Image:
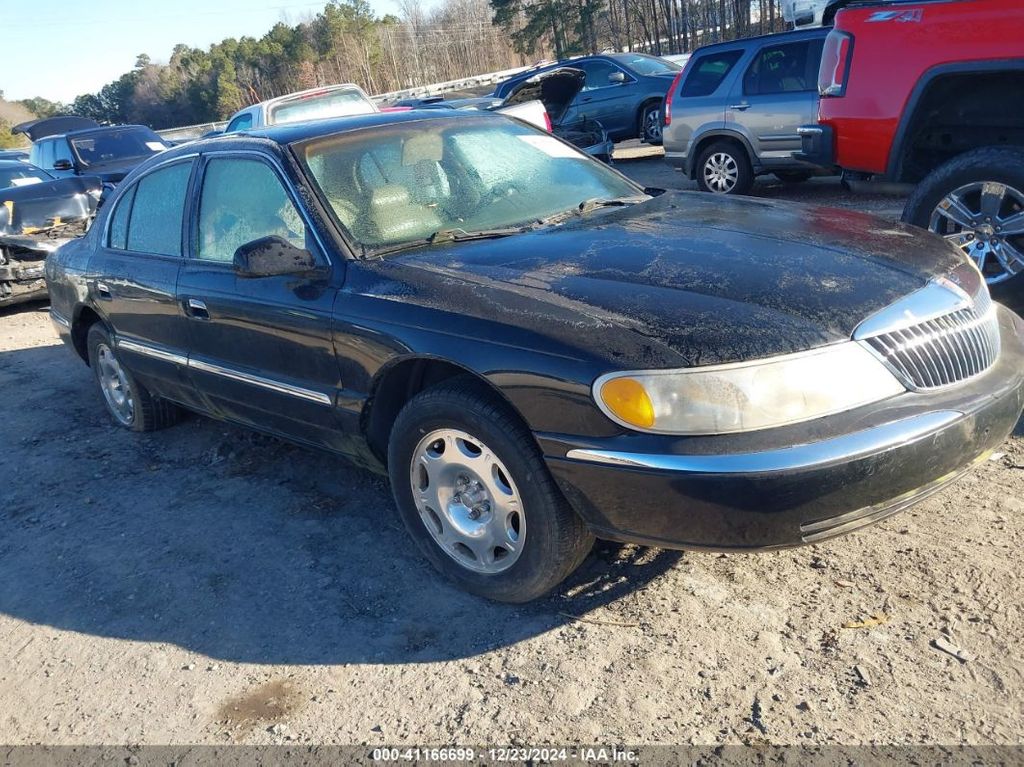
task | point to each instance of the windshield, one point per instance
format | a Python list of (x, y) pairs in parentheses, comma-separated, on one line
[(316, 106), (648, 65), (22, 176), (117, 144), (405, 182)]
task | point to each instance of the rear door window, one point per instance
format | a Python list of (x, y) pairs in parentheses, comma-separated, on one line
[(789, 68), (708, 72), (154, 225)]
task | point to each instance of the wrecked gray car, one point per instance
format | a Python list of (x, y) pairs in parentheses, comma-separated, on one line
[(38, 214)]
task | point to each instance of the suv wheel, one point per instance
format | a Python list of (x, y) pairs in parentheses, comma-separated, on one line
[(976, 201), (650, 124), (723, 168), (129, 403), (475, 495)]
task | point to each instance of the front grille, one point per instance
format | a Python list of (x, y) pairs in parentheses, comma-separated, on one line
[(944, 350)]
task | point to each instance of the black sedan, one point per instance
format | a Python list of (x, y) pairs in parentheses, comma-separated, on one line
[(533, 348)]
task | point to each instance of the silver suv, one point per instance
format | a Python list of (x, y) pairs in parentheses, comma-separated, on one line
[(733, 113)]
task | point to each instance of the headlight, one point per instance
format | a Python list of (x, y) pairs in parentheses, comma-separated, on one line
[(746, 396)]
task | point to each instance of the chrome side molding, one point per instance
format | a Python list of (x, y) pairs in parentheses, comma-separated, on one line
[(835, 450), (236, 375)]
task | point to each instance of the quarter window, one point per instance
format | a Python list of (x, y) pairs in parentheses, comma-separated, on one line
[(242, 122), (118, 238), (157, 208), (790, 68), (244, 200), (708, 72)]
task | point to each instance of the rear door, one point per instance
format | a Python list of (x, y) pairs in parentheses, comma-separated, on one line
[(700, 103), (776, 95), (133, 278), (260, 348)]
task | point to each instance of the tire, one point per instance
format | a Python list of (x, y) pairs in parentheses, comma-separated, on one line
[(430, 457), (968, 200), (724, 168), (793, 176), (141, 411), (650, 124)]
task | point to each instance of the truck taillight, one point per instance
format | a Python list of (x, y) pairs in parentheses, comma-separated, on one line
[(835, 63), (668, 97)]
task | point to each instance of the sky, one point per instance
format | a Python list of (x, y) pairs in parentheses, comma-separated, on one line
[(58, 49)]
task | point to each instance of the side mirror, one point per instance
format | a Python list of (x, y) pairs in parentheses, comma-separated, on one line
[(617, 78), (271, 256), (63, 165)]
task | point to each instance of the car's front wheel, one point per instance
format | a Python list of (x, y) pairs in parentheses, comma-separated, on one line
[(650, 124), (976, 201), (476, 496), (723, 168), (129, 403)]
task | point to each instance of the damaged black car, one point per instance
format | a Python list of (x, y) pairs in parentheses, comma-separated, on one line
[(38, 213), (535, 350)]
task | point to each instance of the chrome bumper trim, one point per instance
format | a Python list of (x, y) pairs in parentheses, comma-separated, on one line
[(814, 454), (60, 319)]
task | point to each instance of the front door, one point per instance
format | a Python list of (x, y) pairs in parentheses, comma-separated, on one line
[(603, 98), (776, 95), (133, 279), (261, 350)]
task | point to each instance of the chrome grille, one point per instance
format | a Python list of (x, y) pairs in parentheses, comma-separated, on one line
[(943, 350)]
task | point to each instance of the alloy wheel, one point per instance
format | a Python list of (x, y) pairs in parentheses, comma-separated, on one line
[(721, 172), (114, 385), (985, 219), (467, 501), (652, 125)]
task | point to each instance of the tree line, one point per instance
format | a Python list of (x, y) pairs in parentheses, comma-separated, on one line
[(347, 42)]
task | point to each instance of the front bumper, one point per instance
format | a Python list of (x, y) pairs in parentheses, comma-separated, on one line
[(817, 146), (874, 463)]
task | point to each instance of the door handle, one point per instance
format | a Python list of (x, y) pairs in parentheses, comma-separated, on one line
[(104, 290), (740, 107), (196, 309)]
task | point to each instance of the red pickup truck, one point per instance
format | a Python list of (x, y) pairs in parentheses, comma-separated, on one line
[(931, 93)]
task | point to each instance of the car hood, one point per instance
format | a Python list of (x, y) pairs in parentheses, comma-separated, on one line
[(681, 280), (37, 206), (555, 89)]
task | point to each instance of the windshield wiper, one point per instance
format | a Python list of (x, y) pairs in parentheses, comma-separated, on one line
[(589, 205), (442, 236)]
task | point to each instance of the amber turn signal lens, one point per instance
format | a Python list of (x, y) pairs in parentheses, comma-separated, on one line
[(627, 399)]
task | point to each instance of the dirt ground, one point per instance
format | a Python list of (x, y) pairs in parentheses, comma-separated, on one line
[(205, 585)]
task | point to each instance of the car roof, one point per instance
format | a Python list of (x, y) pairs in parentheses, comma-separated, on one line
[(795, 34), (292, 133)]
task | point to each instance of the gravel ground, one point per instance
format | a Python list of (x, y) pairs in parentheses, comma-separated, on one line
[(206, 585)]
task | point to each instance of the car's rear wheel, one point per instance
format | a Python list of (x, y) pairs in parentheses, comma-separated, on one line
[(723, 168), (976, 201), (650, 124), (129, 403), (476, 496)]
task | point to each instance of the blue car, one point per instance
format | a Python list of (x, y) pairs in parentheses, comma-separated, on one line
[(622, 91)]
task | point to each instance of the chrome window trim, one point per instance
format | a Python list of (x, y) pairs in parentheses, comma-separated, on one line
[(235, 375), (807, 456), (265, 383)]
